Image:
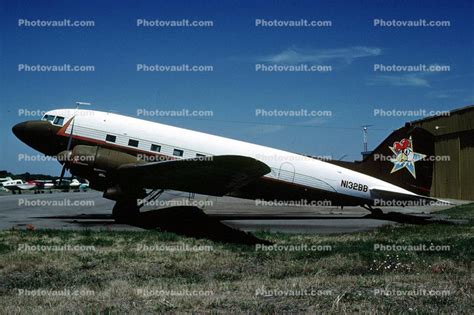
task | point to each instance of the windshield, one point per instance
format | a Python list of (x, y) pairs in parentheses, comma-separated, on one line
[(48, 117), (55, 120), (58, 121)]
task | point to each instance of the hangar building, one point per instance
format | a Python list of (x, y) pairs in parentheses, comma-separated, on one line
[(454, 138)]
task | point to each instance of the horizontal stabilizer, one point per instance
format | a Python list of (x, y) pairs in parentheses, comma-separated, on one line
[(384, 195)]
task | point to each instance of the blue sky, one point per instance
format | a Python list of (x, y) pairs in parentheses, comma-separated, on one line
[(233, 46)]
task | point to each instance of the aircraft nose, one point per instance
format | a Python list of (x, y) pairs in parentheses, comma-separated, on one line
[(20, 130), (36, 134)]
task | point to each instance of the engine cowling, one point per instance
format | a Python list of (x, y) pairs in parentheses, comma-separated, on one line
[(96, 163), (101, 158)]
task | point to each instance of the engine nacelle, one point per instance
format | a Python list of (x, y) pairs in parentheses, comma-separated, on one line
[(96, 163), (101, 158)]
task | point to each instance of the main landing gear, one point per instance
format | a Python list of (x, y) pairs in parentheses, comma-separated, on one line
[(127, 207), (374, 211)]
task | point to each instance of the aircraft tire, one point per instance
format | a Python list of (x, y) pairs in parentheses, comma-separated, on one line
[(125, 210)]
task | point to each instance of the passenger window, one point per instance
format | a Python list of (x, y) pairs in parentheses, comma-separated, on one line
[(177, 152), (133, 143), (110, 138), (155, 148)]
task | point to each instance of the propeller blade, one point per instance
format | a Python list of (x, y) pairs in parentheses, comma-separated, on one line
[(68, 150), (69, 142), (63, 170)]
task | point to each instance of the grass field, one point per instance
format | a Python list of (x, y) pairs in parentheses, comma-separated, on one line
[(116, 272)]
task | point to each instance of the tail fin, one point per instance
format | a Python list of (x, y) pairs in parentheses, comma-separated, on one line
[(405, 159)]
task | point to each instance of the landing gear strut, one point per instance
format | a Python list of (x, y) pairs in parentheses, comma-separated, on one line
[(375, 211), (152, 196), (127, 208)]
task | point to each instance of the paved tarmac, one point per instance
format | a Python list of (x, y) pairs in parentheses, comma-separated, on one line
[(79, 210)]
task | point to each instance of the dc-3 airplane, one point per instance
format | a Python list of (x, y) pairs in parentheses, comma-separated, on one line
[(126, 158)]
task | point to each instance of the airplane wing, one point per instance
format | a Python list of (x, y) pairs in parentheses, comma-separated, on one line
[(398, 196), (216, 175)]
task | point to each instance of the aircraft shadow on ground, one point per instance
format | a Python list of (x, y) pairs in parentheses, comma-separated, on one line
[(193, 222), (186, 221)]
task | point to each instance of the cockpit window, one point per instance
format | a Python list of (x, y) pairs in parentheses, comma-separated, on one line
[(48, 117), (58, 121)]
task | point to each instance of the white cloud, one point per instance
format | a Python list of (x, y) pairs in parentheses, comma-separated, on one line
[(412, 79), (344, 55)]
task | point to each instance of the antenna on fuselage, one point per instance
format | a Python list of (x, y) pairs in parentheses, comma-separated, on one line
[(82, 104)]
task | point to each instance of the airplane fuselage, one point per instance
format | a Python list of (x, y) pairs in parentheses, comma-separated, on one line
[(292, 176)]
